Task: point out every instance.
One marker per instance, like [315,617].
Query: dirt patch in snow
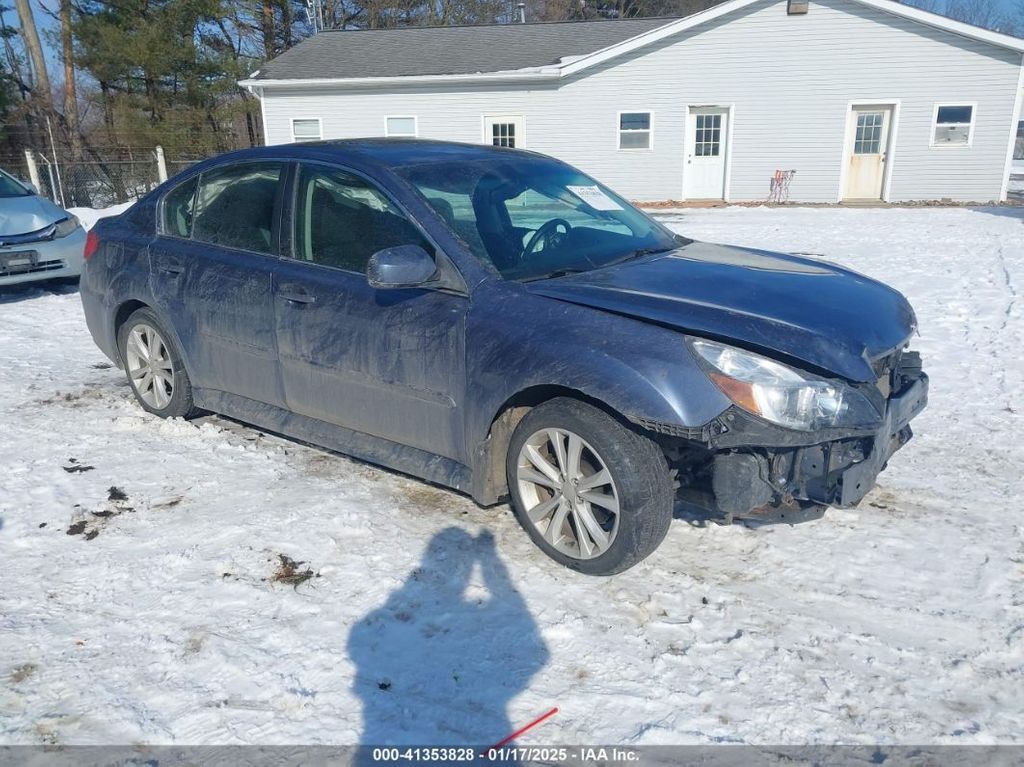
[22,673]
[291,573]
[90,525]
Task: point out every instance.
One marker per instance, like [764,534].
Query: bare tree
[41,79]
[267,17]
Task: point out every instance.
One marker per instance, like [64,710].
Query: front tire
[592,493]
[154,368]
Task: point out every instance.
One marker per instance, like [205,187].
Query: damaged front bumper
[760,470]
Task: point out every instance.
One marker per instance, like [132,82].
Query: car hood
[814,311]
[21,215]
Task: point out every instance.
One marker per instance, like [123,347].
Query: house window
[504,130]
[954,125]
[306,129]
[503,134]
[400,126]
[634,130]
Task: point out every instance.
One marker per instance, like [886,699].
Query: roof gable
[517,51]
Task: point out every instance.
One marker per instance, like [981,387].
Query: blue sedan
[497,322]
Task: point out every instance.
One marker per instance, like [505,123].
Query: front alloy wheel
[592,491]
[568,492]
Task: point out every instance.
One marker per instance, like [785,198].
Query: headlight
[67,226]
[781,394]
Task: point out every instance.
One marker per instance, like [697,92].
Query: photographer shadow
[438,663]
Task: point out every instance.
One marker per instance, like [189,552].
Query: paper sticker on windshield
[594,197]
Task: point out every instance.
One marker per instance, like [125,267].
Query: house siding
[788,79]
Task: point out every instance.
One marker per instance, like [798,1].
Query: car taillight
[92,244]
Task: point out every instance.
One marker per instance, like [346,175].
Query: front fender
[516,340]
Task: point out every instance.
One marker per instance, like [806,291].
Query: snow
[89,216]
[158,619]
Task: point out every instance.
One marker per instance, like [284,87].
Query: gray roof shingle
[447,50]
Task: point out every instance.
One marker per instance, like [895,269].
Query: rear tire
[572,469]
[154,366]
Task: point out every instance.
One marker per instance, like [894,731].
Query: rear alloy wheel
[154,367]
[590,491]
[149,366]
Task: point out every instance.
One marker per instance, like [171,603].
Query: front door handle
[297,297]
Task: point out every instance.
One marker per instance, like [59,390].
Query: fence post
[33,171]
[161,164]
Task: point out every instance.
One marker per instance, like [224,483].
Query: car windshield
[534,217]
[11,188]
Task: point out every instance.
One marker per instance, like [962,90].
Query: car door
[212,273]
[385,362]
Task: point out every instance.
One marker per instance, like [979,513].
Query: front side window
[635,130]
[534,217]
[306,129]
[179,209]
[341,220]
[400,126]
[235,206]
[953,125]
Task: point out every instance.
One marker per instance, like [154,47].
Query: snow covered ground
[145,595]
[89,216]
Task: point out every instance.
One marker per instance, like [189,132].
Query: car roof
[382,152]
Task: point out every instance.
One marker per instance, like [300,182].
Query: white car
[38,240]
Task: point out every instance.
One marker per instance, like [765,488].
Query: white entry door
[706,147]
[505,130]
[866,152]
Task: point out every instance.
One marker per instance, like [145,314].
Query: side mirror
[404,266]
[31,187]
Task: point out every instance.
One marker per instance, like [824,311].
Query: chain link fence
[100,179]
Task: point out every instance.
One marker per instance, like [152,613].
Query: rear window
[235,206]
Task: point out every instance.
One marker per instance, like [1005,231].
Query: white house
[864,99]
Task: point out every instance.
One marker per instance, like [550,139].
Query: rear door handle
[297,296]
[172,269]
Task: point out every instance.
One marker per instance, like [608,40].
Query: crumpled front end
[752,468]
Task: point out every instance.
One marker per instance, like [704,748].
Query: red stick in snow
[530,726]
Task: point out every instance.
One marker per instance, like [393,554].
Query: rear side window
[179,207]
[235,206]
[341,220]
